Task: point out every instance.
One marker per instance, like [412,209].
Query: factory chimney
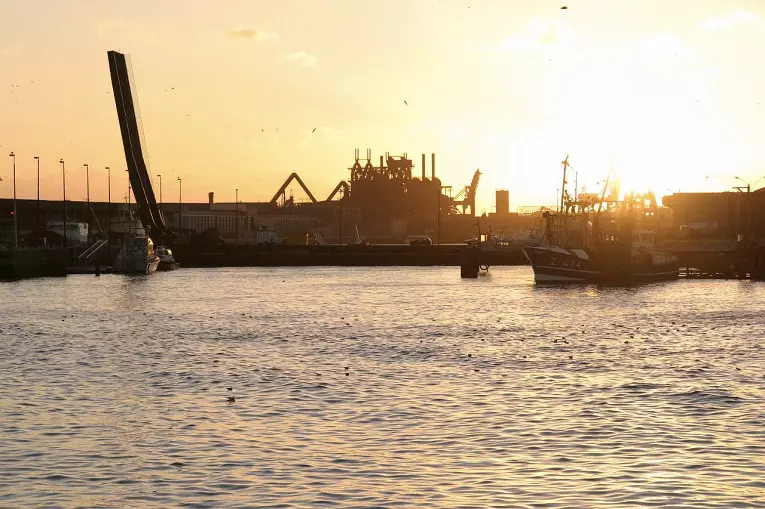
[423,167]
[502,202]
[433,166]
[211,196]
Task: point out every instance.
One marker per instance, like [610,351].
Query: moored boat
[166,259]
[606,265]
[137,256]
[612,246]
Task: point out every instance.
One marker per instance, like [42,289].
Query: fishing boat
[603,241]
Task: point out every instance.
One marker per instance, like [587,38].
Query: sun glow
[664,102]
[646,114]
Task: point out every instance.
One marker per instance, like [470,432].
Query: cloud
[301,58]
[737,18]
[540,34]
[252,33]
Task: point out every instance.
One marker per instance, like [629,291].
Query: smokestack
[423,167]
[211,196]
[433,166]
[502,202]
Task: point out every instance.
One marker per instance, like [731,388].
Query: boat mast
[563,187]
[600,207]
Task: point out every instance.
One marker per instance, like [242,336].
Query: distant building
[731,215]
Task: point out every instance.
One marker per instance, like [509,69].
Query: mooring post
[469,264]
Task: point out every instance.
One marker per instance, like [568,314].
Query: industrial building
[734,215]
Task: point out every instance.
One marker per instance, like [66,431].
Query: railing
[92,250]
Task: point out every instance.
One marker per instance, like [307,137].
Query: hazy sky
[671,93]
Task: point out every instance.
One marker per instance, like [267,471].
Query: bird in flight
[406,102]
[564,8]
[314,130]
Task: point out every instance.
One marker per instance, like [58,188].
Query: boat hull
[136,256]
[165,265]
[559,265]
[137,267]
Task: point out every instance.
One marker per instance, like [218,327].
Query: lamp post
[37,223]
[128,202]
[109,198]
[439,190]
[748,185]
[180,203]
[160,192]
[161,213]
[340,203]
[748,203]
[236,204]
[63,178]
[87,184]
[438,217]
[15,221]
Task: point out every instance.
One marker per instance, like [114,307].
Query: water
[456,393]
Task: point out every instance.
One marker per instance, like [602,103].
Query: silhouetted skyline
[667,93]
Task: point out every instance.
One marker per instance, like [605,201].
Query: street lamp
[63,177]
[37,158]
[109,198]
[180,203]
[748,204]
[748,185]
[745,182]
[438,215]
[128,199]
[439,190]
[15,221]
[236,204]
[87,184]
[160,191]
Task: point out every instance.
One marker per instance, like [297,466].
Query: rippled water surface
[379,387]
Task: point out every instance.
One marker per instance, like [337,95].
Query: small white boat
[166,259]
[137,256]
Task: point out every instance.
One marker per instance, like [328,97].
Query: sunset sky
[669,93]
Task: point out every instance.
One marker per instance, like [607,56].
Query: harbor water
[379,387]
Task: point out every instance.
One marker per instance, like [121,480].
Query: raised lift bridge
[124,99]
